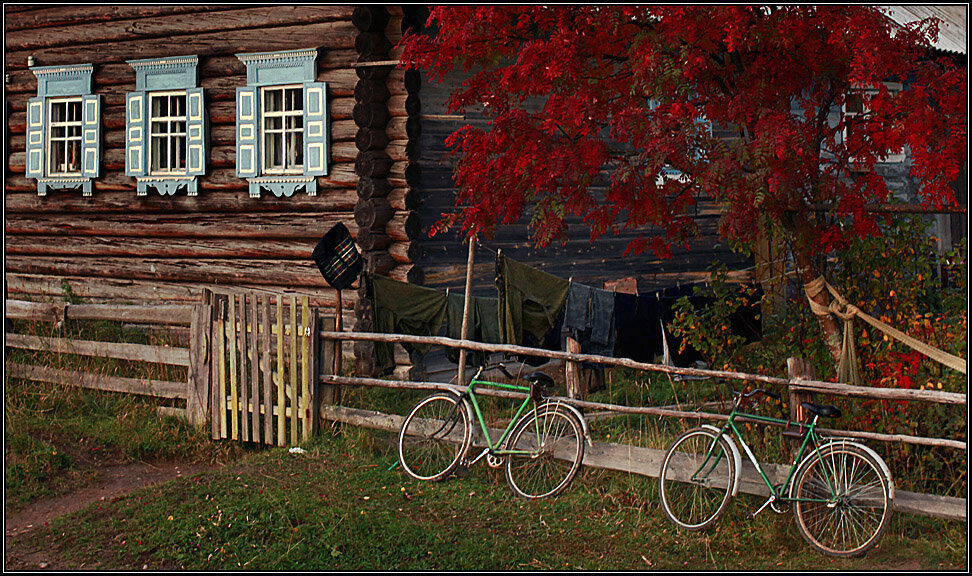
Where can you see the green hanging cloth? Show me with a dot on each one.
(530, 301)
(403, 308)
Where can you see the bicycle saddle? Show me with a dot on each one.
(822, 410)
(538, 381)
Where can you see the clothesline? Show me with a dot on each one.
(533, 308)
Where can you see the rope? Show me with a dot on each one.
(846, 311)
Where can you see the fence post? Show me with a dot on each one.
(799, 369)
(330, 364)
(575, 385)
(198, 392)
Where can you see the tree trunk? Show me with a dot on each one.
(829, 326)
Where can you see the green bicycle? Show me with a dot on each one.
(840, 490)
(542, 447)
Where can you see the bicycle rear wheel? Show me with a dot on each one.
(550, 447)
(842, 500)
(434, 437)
(695, 482)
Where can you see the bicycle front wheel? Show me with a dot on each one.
(434, 437)
(696, 478)
(842, 500)
(547, 447)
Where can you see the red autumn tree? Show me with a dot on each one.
(590, 106)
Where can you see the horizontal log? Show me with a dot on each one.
(45, 312)
(173, 26)
(366, 91)
(411, 273)
(60, 15)
(116, 350)
(852, 391)
(369, 188)
(406, 252)
(141, 386)
(371, 240)
(372, 46)
(289, 225)
(368, 139)
(297, 273)
(339, 34)
(111, 290)
(405, 199)
(405, 227)
(114, 246)
(370, 18)
(373, 213)
(377, 262)
(375, 164)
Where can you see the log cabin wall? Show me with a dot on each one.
(117, 246)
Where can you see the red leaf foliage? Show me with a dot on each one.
(592, 108)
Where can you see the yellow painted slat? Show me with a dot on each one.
(293, 370)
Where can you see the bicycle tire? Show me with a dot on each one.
(431, 443)
(547, 472)
(696, 490)
(855, 517)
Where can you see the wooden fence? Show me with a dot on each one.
(266, 370)
(647, 461)
(191, 391)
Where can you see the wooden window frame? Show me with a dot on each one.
(50, 170)
(168, 135)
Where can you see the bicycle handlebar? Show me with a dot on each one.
(498, 366)
(770, 393)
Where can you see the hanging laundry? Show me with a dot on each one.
(530, 302)
(403, 308)
(636, 324)
(589, 315)
(483, 325)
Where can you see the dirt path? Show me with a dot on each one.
(114, 482)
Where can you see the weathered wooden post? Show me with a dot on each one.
(466, 307)
(330, 363)
(799, 369)
(575, 384)
(198, 405)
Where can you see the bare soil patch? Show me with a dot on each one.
(26, 550)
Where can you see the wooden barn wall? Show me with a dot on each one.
(115, 245)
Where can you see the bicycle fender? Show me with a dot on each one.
(736, 457)
(577, 413)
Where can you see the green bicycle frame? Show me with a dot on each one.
(810, 436)
(471, 394)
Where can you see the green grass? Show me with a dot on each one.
(341, 507)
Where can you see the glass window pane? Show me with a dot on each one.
(57, 112)
(295, 100)
(179, 106)
(179, 153)
(74, 156)
(74, 111)
(273, 101)
(295, 141)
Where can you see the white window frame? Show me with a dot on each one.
(865, 93)
(169, 134)
(284, 130)
(49, 169)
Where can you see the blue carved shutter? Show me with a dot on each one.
(247, 134)
(196, 133)
(91, 135)
(136, 137)
(35, 137)
(315, 129)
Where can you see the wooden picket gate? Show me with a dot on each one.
(263, 379)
